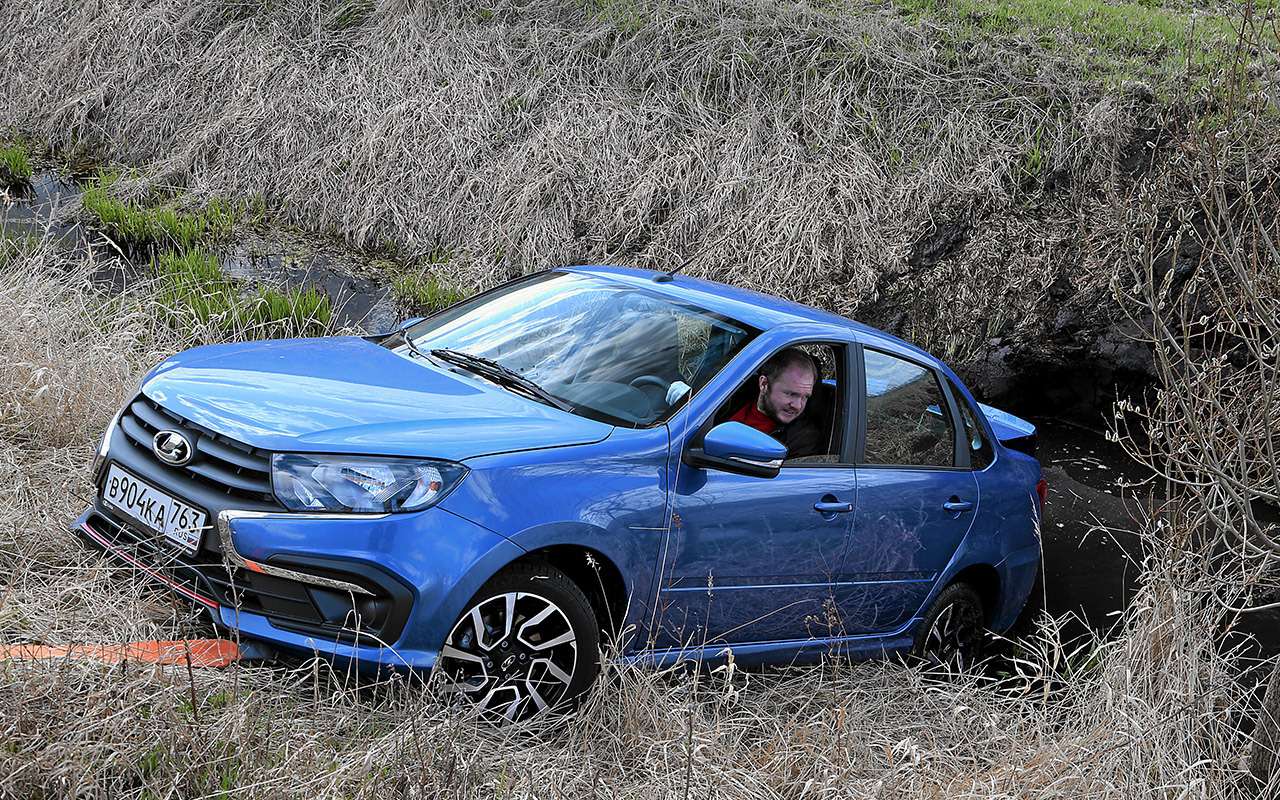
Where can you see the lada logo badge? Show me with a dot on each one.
(172, 448)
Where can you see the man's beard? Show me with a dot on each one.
(767, 406)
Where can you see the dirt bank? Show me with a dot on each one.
(969, 190)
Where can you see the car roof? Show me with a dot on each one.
(756, 309)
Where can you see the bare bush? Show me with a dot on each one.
(1202, 289)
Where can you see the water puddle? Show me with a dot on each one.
(1084, 452)
(38, 212)
(357, 301)
(48, 209)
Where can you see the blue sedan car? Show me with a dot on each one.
(683, 467)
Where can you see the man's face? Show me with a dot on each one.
(785, 397)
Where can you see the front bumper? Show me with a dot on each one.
(376, 589)
(303, 613)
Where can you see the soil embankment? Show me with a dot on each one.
(969, 188)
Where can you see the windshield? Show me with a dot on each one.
(610, 352)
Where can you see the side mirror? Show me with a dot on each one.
(741, 449)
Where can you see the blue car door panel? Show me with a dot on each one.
(903, 537)
(755, 559)
(917, 496)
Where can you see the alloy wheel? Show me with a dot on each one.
(511, 656)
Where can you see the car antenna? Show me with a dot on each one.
(669, 275)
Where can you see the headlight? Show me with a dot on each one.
(360, 483)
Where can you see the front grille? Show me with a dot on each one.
(231, 467)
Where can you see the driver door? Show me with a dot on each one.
(760, 559)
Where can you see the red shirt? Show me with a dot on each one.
(750, 415)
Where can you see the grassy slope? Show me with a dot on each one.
(1123, 40)
(821, 151)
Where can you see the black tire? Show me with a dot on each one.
(952, 636)
(540, 662)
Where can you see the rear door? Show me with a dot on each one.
(917, 497)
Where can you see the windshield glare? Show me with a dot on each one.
(612, 352)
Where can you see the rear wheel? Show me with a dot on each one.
(527, 644)
(952, 635)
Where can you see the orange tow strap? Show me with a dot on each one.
(201, 652)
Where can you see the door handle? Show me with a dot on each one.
(825, 507)
(955, 505)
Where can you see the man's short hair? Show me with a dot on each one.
(786, 359)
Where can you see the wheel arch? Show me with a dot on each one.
(985, 580)
(596, 575)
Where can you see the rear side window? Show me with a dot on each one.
(908, 423)
(980, 452)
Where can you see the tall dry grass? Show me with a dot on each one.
(814, 152)
(1152, 713)
(837, 154)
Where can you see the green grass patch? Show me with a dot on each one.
(348, 14)
(300, 311)
(16, 248)
(15, 165)
(624, 15)
(194, 288)
(425, 293)
(138, 225)
(1117, 40)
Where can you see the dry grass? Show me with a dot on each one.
(825, 154)
(1155, 708)
(813, 149)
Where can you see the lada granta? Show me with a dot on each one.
(683, 467)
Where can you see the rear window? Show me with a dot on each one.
(981, 454)
(908, 423)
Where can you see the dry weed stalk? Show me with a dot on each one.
(1108, 720)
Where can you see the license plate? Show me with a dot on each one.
(180, 524)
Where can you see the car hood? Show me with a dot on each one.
(350, 395)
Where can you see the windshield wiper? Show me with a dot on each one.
(417, 351)
(496, 372)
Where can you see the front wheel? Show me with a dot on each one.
(952, 635)
(527, 644)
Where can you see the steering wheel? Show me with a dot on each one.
(650, 380)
